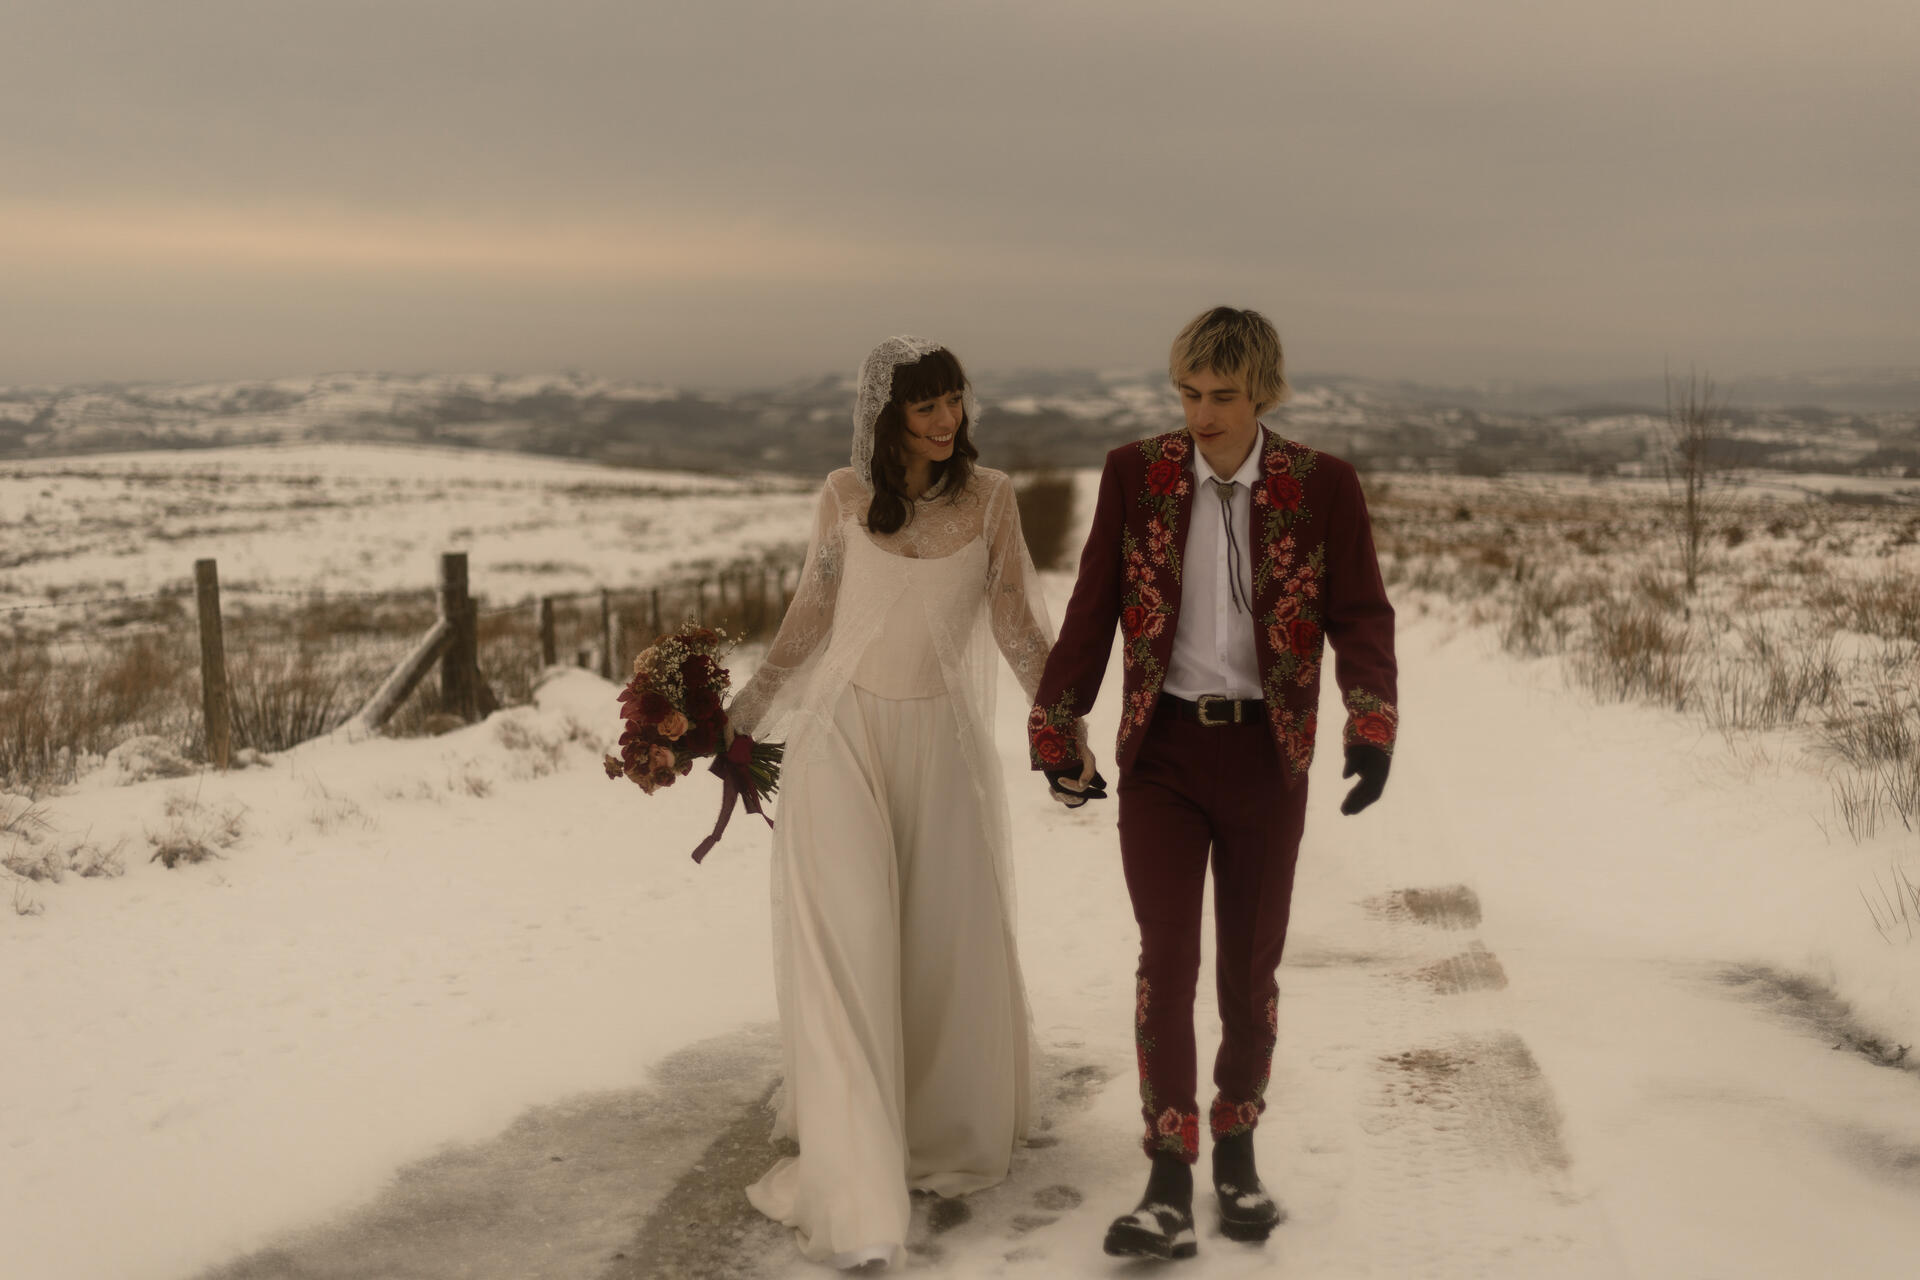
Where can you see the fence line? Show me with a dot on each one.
(453, 642)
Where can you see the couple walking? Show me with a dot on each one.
(1225, 554)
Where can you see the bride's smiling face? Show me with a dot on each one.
(932, 427)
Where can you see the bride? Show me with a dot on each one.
(904, 1019)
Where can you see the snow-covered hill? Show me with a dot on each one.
(1057, 419)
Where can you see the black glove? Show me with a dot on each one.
(1096, 788)
(1371, 763)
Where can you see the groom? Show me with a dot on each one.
(1224, 553)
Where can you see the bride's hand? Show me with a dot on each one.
(1074, 792)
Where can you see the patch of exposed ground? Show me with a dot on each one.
(1487, 1089)
(1453, 906)
(1475, 969)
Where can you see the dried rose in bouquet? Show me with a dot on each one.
(674, 709)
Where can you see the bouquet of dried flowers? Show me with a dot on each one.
(674, 712)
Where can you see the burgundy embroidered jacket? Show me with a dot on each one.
(1314, 575)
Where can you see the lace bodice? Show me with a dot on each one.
(940, 597)
(958, 556)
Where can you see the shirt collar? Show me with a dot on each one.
(1249, 472)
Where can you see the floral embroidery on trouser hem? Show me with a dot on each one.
(1170, 1130)
(1174, 1133)
(1229, 1119)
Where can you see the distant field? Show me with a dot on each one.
(367, 518)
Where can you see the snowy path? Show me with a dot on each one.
(1549, 1074)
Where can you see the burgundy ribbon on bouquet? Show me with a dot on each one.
(734, 768)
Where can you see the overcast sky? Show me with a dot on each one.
(732, 194)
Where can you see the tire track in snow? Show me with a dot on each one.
(1461, 1169)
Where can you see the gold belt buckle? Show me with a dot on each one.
(1200, 709)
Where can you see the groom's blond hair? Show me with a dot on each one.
(1240, 345)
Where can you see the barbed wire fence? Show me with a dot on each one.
(217, 682)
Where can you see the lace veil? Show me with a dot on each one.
(875, 387)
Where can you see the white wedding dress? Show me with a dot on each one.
(904, 1018)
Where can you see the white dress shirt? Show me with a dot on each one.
(1213, 644)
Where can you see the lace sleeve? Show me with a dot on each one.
(1016, 610)
(808, 619)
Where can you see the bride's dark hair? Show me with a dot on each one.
(936, 374)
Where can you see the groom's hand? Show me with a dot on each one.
(1074, 787)
(1371, 763)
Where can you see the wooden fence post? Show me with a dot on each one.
(549, 653)
(606, 634)
(213, 664)
(653, 613)
(460, 663)
(700, 602)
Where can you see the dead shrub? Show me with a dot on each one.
(1772, 681)
(1635, 651)
(1541, 619)
(1887, 605)
(281, 698)
(59, 704)
(1879, 729)
(1046, 501)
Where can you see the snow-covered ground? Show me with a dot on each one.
(368, 518)
(475, 959)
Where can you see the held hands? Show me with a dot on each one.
(1074, 788)
(1371, 763)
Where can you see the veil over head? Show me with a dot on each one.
(875, 388)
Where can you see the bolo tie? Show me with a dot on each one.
(1236, 558)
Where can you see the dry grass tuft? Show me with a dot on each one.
(1636, 651)
(196, 832)
(281, 698)
(1774, 679)
(1887, 606)
(1895, 906)
(61, 703)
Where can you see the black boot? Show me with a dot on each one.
(1162, 1227)
(1247, 1212)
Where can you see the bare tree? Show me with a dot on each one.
(1694, 459)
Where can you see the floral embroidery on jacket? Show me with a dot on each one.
(1293, 627)
(1280, 499)
(1372, 720)
(1146, 613)
(1053, 731)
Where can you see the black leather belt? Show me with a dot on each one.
(1213, 711)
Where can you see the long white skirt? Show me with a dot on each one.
(903, 1025)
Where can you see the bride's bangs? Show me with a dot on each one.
(936, 374)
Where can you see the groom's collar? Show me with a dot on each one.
(1248, 473)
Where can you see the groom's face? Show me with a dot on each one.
(1220, 417)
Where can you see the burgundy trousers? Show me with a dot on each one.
(1192, 791)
